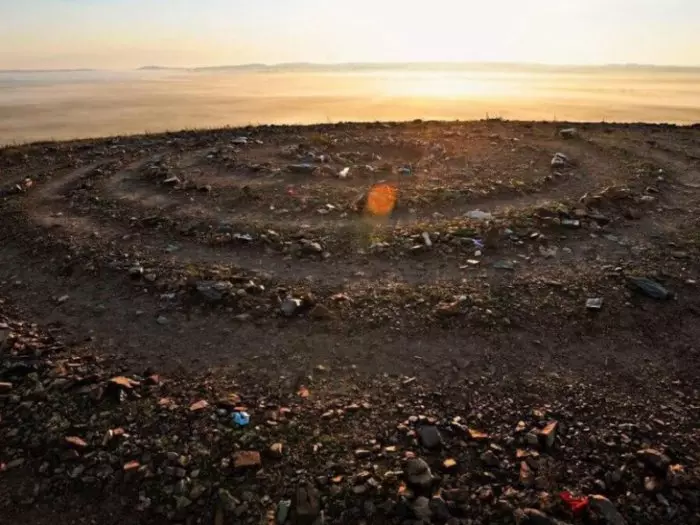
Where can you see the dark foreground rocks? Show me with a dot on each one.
(84, 431)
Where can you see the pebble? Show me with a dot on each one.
(654, 459)
(290, 306)
(247, 459)
(603, 507)
(306, 506)
(418, 473)
(430, 437)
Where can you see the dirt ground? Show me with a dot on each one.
(505, 291)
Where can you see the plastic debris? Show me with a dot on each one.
(241, 419)
(577, 505)
(650, 288)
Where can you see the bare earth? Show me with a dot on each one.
(240, 261)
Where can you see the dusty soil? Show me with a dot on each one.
(241, 261)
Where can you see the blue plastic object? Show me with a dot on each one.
(241, 418)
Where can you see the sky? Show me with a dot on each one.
(125, 34)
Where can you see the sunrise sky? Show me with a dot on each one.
(37, 34)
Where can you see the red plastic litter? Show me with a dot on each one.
(577, 505)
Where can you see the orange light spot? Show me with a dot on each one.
(381, 200)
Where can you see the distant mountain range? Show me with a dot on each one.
(419, 66)
(389, 66)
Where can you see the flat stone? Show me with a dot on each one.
(75, 442)
(654, 459)
(421, 509)
(228, 502)
(123, 382)
(247, 459)
(199, 405)
(418, 473)
(277, 450)
(430, 437)
(548, 434)
(606, 510)
(5, 387)
(131, 466)
(306, 506)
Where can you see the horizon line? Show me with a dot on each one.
(356, 64)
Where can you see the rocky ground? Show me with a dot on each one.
(212, 327)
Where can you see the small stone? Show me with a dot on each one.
(5, 387)
(531, 439)
(199, 405)
(306, 506)
(131, 466)
(290, 306)
(676, 476)
(548, 434)
(283, 508)
(449, 464)
(18, 462)
(477, 435)
(75, 442)
(182, 502)
(197, 492)
(228, 502)
(560, 160)
(439, 509)
(362, 453)
(534, 517)
(654, 460)
(603, 507)
(527, 477)
(123, 383)
(63, 299)
(595, 303)
(320, 312)
(568, 133)
(421, 509)
(490, 459)
(652, 484)
(247, 459)
(430, 437)
(418, 473)
(277, 450)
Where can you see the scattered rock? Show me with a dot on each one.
(421, 509)
(276, 450)
(305, 169)
(418, 473)
(290, 306)
(604, 508)
(654, 460)
(548, 434)
(306, 506)
(568, 133)
(247, 459)
(199, 405)
(228, 502)
(5, 387)
(595, 303)
(430, 437)
(560, 160)
(75, 442)
(650, 288)
(282, 514)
